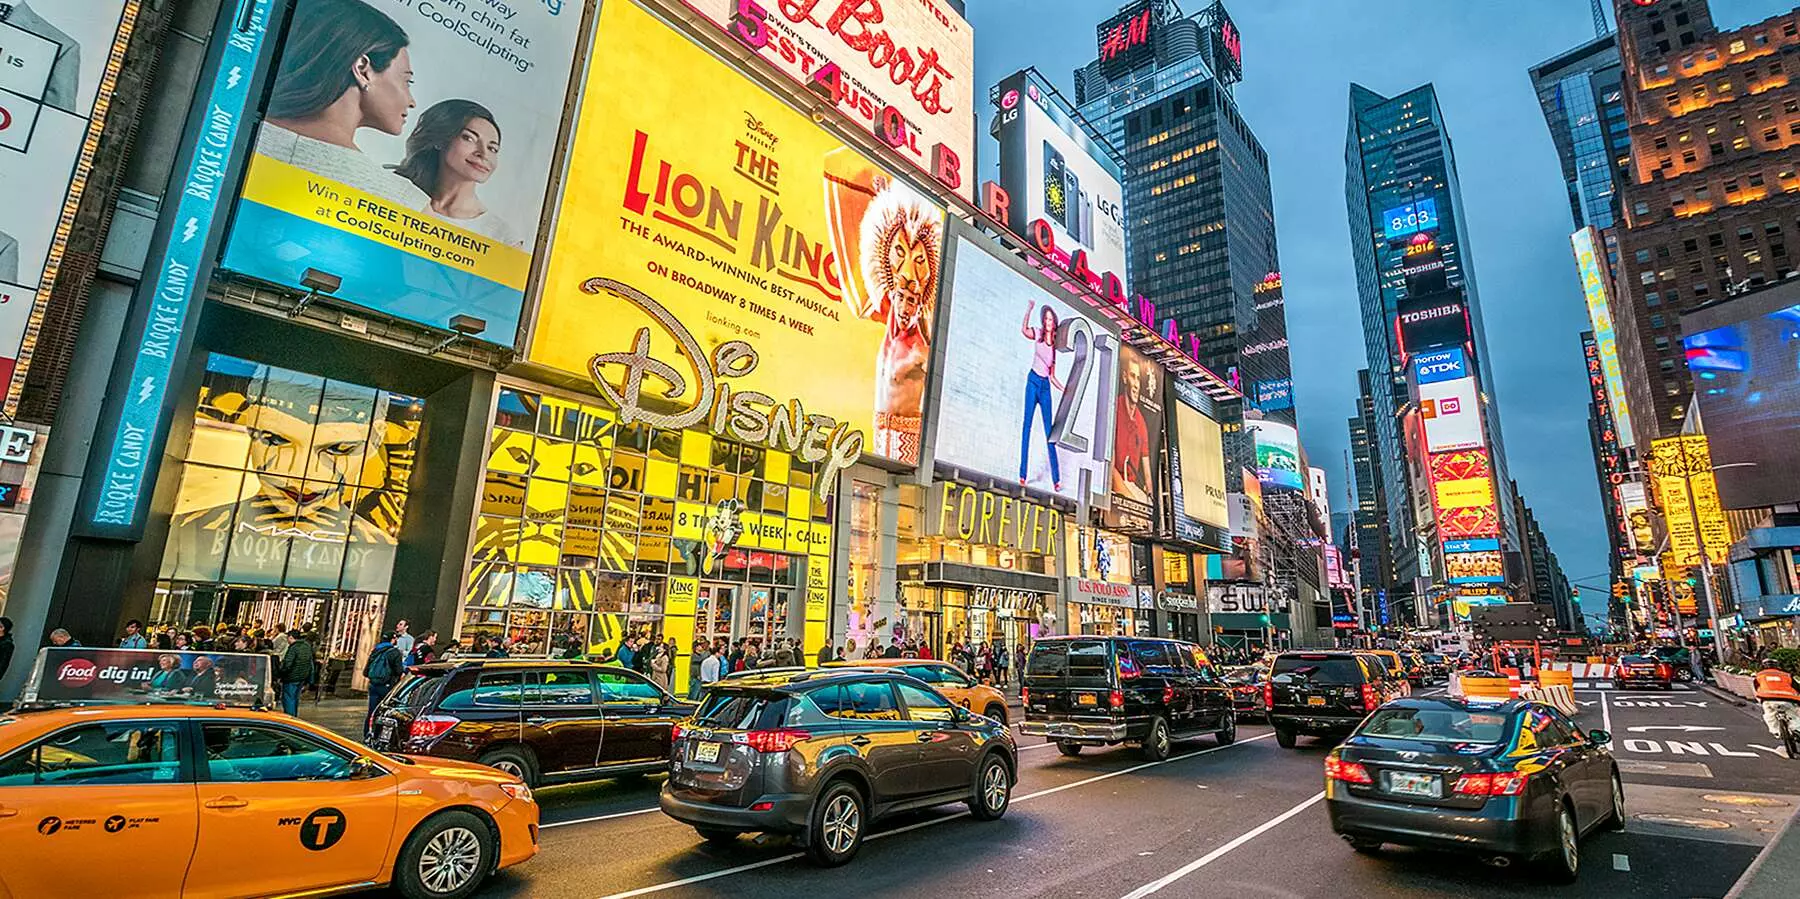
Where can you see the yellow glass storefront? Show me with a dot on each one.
(590, 531)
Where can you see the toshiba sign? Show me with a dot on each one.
(1437, 321)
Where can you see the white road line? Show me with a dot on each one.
(638, 811)
(1605, 713)
(1207, 859)
(739, 869)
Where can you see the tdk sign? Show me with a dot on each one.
(1440, 365)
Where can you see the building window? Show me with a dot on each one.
(1640, 208)
(1690, 245)
(1643, 255)
(1737, 46)
(1688, 157)
(1740, 143)
(1753, 257)
(1771, 134)
(1666, 364)
(1731, 186)
(1661, 143)
(1646, 277)
(1755, 179)
(1652, 299)
(1656, 321)
(1715, 239)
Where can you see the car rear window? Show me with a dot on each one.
(1637, 660)
(1439, 725)
(1317, 669)
(413, 691)
(1063, 658)
(742, 710)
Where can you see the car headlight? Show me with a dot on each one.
(518, 790)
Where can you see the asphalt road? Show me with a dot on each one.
(1241, 821)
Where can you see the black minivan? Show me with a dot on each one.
(1102, 691)
(541, 720)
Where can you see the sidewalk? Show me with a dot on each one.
(1776, 870)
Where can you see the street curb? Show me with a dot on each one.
(1738, 889)
(1726, 695)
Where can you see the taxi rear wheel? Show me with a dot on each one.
(996, 712)
(447, 857)
(515, 761)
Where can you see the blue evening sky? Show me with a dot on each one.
(1299, 59)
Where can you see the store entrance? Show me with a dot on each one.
(348, 624)
(733, 611)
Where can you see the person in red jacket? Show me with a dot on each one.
(1780, 701)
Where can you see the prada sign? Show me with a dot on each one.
(992, 519)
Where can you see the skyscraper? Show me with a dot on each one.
(1374, 563)
(1712, 185)
(1434, 425)
(1200, 220)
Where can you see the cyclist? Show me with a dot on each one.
(1780, 701)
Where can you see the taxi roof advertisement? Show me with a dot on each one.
(720, 261)
(1026, 381)
(426, 197)
(914, 56)
(91, 674)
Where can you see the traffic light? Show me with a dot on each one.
(1620, 591)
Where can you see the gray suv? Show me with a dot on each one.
(822, 754)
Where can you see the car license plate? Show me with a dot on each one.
(1315, 700)
(706, 752)
(1408, 784)
(1087, 699)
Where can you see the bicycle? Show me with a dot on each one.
(1789, 739)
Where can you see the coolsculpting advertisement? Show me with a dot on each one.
(406, 148)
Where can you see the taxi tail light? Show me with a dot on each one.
(1370, 701)
(430, 727)
(1510, 783)
(1348, 772)
(778, 740)
(1116, 699)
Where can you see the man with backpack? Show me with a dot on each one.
(383, 669)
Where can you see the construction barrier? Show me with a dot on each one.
(1484, 687)
(1593, 669)
(1556, 679)
(1561, 697)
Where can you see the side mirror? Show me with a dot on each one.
(364, 768)
(1601, 737)
(960, 715)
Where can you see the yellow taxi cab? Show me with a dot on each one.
(1396, 668)
(102, 797)
(956, 685)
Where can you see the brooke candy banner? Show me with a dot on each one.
(904, 69)
(779, 285)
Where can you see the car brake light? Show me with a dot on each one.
(1348, 772)
(1505, 784)
(1025, 696)
(675, 734)
(1370, 700)
(778, 740)
(430, 727)
(1168, 695)
(1116, 699)
(1269, 695)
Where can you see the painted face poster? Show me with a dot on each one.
(292, 480)
(56, 59)
(406, 149)
(757, 260)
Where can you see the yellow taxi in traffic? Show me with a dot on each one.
(957, 685)
(171, 798)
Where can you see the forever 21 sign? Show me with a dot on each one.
(904, 69)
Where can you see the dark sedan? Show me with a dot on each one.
(1508, 781)
(1246, 683)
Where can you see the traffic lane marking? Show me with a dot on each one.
(1158, 884)
(767, 862)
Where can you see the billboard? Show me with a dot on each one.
(1017, 360)
(1451, 412)
(1128, 40)
(1409, 218)
(1474, 568)
(914, 57)
(1462, 487)
(92, 674)
(1634, 506)
(1434, 320)
(1273, 395)
(1277, 454)
(1749, 392)
(1681, 471)
(708, 217)
(1197, 471)
(1055, 173)
(1137, 443)
(52, 108)
(406, 148)
(1594, 288)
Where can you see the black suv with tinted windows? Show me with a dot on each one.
(542, 720)
(1102, 691)
(822, 754)
(1326, 693)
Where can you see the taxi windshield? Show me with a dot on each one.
(1436, 725)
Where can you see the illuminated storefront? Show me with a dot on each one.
(973, 565)
(293, 489)
(590, 530)
(1107, 593)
